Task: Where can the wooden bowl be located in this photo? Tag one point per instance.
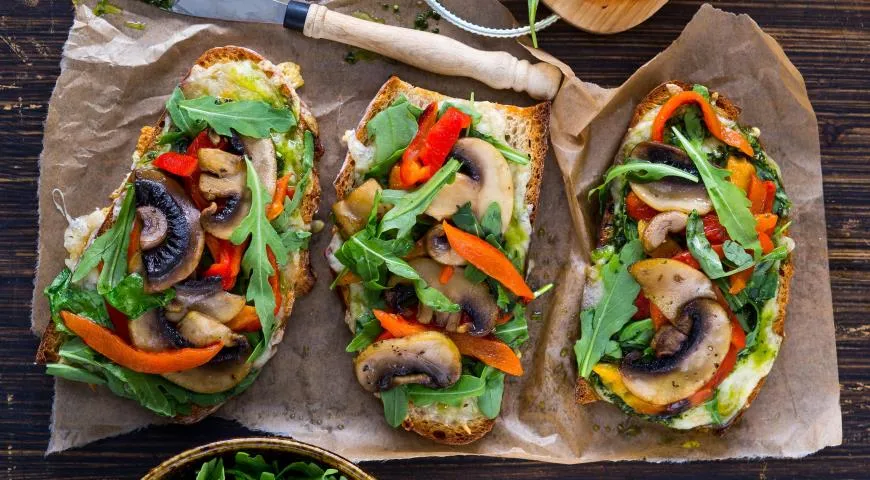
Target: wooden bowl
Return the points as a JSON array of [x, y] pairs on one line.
[[185, 465], [605, 16]]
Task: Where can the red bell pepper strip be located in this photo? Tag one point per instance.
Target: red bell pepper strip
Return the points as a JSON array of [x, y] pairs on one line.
[[120, 322], [397, 325], [637, 209], [385, 335], [687, 258], [273, 280], [761, 194], [488, 259], [107, 343], [442, 137], [725, 134], [713, 230], [446, 274], [203, 140], [411, 168], [177, 163], [643, 307], [228, 262], [276, 206]]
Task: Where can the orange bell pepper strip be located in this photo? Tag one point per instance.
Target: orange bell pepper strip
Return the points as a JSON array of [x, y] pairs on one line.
[[107, 343], [761, 194], [276, 206], [397, 325], [490, 351], [765, 223], [245, 321], [273, 280], [738, 281], [396, 178], [488, 259], [385, 335], [658, 318], [446, 274], [766, 243], [504, 318], [637, 209], [726, 135], [411, 168], [227, 263]]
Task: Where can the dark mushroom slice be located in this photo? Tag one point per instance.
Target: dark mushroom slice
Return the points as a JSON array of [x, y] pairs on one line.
[[146, 334], [352, 212], [261, 151], [177, 256], [670, 193], [202, 330], [212, 378], [204, 296], [222, 221], [154, 227], [656, 232], [475, 301], [667, 379], [439, 248], [219, 162], [402, 299], [224, 178], [428, 358], [670, 284], [483, 179]]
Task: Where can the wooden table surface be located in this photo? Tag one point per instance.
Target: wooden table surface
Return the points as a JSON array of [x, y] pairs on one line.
[[828, 40]]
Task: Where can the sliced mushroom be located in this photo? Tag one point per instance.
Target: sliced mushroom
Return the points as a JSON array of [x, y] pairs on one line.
[[212, 378], [177, 256], [671, 378], [224, 178], [146, 334], [221, 222], [401, 298], [154, 227], [204, 296], [670, 193], [261, 151], [474, 299], [219, 162], [483, 179], [439, 248], [655, 234], [352, 213], [428, 358], [670, 284], [202, 330], [214, 187]]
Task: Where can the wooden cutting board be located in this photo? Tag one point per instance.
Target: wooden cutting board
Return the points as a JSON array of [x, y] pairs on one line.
[[605, 16]]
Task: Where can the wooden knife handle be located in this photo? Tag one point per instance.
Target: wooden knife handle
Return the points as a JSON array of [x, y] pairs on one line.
[[434, 53]]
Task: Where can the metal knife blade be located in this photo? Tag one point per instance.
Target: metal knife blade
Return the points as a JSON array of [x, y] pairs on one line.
[[262, 11]]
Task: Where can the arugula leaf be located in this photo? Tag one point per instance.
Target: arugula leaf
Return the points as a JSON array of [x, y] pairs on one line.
[[110, 248], [515, 332], [763, 283], [465, 220], [403, 216], [640, 170], [212, 470], [697, 88], [395, 405], [295, 240], [466, 387], [392, 128], [613, 311], [367, 330], [490, 401], [251, 118], [182, 121], [730, 203], [75, 374], [129, 297], [712, 406], [703, 252], [491, 220], [736, 254], [637, 335], [62, 294], [613, 350], [509, 153], [255, 262]]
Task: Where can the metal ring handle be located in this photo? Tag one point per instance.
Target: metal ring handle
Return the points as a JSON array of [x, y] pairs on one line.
[[489, 31]]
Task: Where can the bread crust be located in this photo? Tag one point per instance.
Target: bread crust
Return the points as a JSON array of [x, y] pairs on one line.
[[304, 276], [584, 392], [536, 120]]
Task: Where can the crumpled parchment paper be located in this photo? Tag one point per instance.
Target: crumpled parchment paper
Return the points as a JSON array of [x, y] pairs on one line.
[[115, 79]]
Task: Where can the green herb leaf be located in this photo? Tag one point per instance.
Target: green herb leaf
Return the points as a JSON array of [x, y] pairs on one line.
[[730, 203], [255, 262], [466, 108], [703, 252], [403, 216], [702, 90], [392, 129], [103, 7], [129, 297], [613, 311], [180, 118], [110, 248], [533, 14], [491, 220], [509, 153], [465, 220], [641, 171], [468, 386], [212, 470], [295, 240], [251, 118], [637, 335], [62, 294], [712, 406], [736, 254], [367, 330], [395, 405], [490, 402], [515, 332]]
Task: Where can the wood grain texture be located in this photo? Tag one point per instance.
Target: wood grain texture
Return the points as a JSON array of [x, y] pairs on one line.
[[828, 41], [605, 16]]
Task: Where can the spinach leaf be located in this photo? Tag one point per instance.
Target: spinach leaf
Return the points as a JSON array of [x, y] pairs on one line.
[[613, 350], [367, 330], [703, 252], [251, 118], [730, 203], [180, 118], [474, 275], [712, 406], [392, 128], [736, 254], [468, 386], [395, 405], [637, 335], [466, 108], [763, 283], [613, 311], [110, 248], [129, 297], [212, 470], [490, 401], [62, 294], [509, 153], [255, 262], [639, 170], [403, 216]]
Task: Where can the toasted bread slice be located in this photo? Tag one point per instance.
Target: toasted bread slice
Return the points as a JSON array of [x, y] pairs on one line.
[[587, 393], [526, 130], [297, 273]]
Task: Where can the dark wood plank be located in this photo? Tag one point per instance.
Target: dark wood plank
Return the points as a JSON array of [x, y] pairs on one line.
[[827, 40]]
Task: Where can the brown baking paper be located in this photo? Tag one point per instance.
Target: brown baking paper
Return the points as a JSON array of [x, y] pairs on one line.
[[114, 80]]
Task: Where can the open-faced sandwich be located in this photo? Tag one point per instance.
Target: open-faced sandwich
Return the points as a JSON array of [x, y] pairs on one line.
[[436, 200], [684, 304], [178, 293]]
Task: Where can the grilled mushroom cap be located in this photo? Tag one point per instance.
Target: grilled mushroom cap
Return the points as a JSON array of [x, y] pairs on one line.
[[484, 178], [475, 300], [204, 296], [428, 358], [670, 284], [177, 256], [439, 248], [660, 226], [154, 227], [201, 330], [146, 333], [670, 193], [670, 378], [352, 212]]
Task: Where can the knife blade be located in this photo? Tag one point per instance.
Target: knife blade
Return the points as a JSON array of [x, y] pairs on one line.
[[260, 11]]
